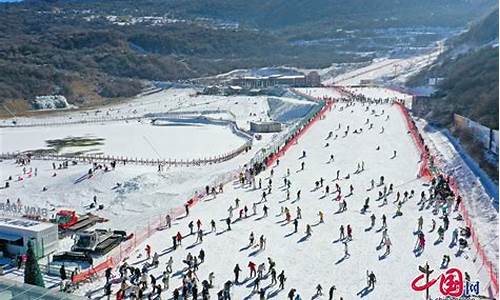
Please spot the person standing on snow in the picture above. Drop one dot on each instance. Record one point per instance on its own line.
(342, 234)
(299, 213)
(308, 230)
(319, 290)
(282, 279)
(251, 239)
(252, 267)
(213, 227)
(236, 271)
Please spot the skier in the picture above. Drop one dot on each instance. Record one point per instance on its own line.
(213, 227)
(372, 219)
(236, 271)
(260, 270)
(388, 245)
(420, 223)
(308, 230)
(262, 242)
(168, 220)
(199, 236)
(262, 294)
(295, 224)
(349, 232)
(371, 280)
(366, 205)
(440, 232)
(282, 279)
(454, 237)
(342, 235)
(320, 214)
(299, 213)
(445, 262)
(191, 226)
(201, 256)
(319, 290)
(252, 266)
(251, 239)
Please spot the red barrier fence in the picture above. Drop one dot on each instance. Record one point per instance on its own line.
(108, 263)
(294, 139)
(480, 250)
(425, 172)
(127, 247)
(117, 255)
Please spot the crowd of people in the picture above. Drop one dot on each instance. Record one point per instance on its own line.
(130, 281)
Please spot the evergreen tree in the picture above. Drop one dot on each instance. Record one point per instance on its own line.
(32, 274)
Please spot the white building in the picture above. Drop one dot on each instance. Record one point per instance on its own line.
(15, 234)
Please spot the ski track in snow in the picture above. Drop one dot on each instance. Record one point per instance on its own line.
(319, 259)
(306, 262)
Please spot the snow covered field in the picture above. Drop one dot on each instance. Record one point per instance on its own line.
(129, 139)
(320, 92)
(396, 70)
(243, 108)
(145, 195)
(320, 259)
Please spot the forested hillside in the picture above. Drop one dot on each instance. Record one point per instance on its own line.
(469, 68)
(94, 50)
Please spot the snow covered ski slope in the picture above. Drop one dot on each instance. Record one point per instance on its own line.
(322, 257)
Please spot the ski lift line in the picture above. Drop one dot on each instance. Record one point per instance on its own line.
(152, 147)
(8, 110)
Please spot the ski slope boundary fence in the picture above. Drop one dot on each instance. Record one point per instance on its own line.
(477, 244)
(424, 171)
(151, 161)
(293, 138)
(120, 253)
(427, 164)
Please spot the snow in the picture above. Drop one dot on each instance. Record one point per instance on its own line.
(479, 204)
(320, 259)
(386, 69)
(380, 93)
(320, 92)
(129, 139)
(145, 195)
